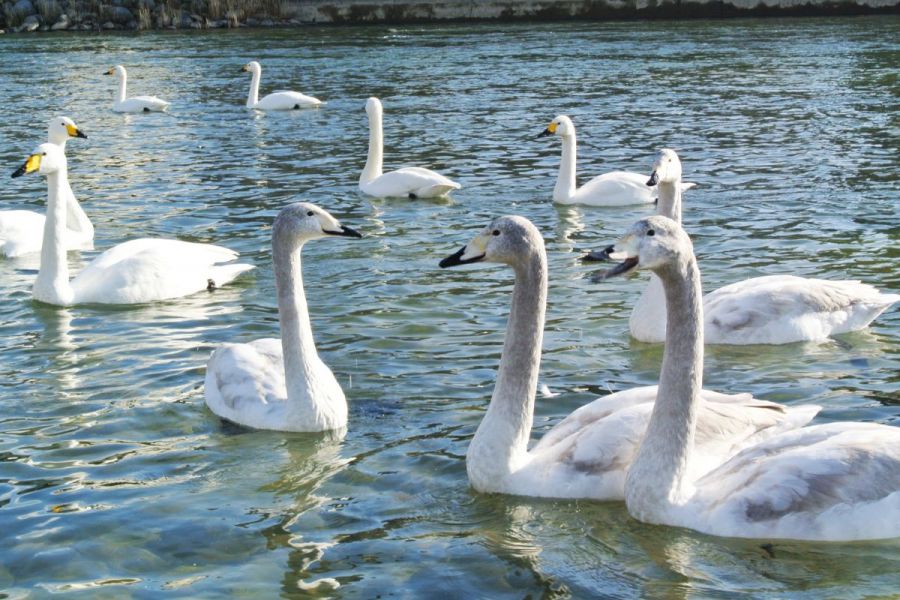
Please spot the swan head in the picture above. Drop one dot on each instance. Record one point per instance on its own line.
(303, 221)
(252, 67)
(561, 126)
(60, 129)
(46, 159)
(118, 71)
(653, 243)
(373, 107)
(506, 240)
(666, 168)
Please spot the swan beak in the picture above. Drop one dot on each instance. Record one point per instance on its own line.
(110, 72)
(629, 264)
(604, 255)
(551, 129)
(626, 251)
(654, 179)
(472, 252)
(244, 69)
(75, 132)
(344, 232)
(31, 165)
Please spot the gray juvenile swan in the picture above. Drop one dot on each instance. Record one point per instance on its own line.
(838, 481)
(585, 455)
(282, 384)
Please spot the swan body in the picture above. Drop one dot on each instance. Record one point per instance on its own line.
(21, 231)
(833, 482)
(412, 182)
(775, 309)
(617, 188)
(279, 100)
(282, 384)
(135, 104)
(134, 272)
(587, 454)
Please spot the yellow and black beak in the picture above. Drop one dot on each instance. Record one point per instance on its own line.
(244, 69)
(110, 72)
(551, 129)
(31, 165)
(75, 132)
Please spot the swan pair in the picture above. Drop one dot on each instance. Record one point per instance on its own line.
(21, 231)
(616, 188)
(279, 100)
(775, 309)
(134, 272)
(135, 104)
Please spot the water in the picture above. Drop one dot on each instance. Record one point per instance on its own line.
(117, 482)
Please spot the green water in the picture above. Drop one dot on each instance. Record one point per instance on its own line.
(117, 482)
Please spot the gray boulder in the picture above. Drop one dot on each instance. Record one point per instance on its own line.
(119, 15)
(23, 8)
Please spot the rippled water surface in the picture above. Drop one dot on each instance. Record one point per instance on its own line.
(116, 481)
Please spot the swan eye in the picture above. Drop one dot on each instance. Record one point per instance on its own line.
(651, 232)
(309, 213)
(43, 154)
(495, 232)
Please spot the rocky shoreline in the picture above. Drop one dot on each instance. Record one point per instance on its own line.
(20, 16)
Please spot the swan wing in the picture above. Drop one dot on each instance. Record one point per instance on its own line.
(141, 104)
(617, 188)
(287, 100)
(417, 181)
(838, 481)
(780, 309)
(21, 232)
(146, 269)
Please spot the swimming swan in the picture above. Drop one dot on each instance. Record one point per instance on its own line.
(246, 383)
(280, 100)
(21, 231)
(412, 182)
(775, 309)
(585, 455)
(135, 272)
(838, 481)
(616, 188)
(134, 104)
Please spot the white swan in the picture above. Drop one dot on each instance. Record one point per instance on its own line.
(282, 384)
(776, 309)
(585, 455)
(135, 104)
(134, 272)
(412, 182)
(839, 481)
(21, 231)
(280, 100)
(616, 188)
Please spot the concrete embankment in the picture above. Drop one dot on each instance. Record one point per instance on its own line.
(93, 15)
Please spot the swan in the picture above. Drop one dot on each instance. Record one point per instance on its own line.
(836, 482)
(585, 455)
(134, 104)
(774, 309)
(21, 231)
(282, 385)
(280, 100)
(134, 272)
(616, 188)
(411, 182)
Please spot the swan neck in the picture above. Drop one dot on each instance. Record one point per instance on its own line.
(501, 441)
(656, 478)
(669, 200)
(123, 79)
(565, 183)
(76, 219)
(253, 96)
(374, 158)
(52, 282)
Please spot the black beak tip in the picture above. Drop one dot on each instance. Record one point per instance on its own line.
(19, 172)
(545, 133)
(350, 232)
(81, 134)
(453, 259)
(654, 179)
(598, 255)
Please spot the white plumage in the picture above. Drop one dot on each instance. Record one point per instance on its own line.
(135, 104)
(278, 100)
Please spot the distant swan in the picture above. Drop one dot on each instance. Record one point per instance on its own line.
(21, 231)
(282, 384)
(135, 104)
(135, 272)
(838, 481)
(616, 188)
(587, 454)
(775, 309)
(280, 100)
(412, 182)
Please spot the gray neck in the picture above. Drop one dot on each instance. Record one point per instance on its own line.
(253, 96)
(374, 158)
(504, 432)
(565, 183)
(655, 478)
(669, 200)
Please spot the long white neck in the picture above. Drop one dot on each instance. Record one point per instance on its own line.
(655, 480)
(669, 200)
(501, 441)
(52, 282)
(374, 158)
(123, 79)
(565, 183)
(253, 96)
(299, 349)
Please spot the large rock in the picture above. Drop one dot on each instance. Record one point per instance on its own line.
(117, 14)
(23, 8)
